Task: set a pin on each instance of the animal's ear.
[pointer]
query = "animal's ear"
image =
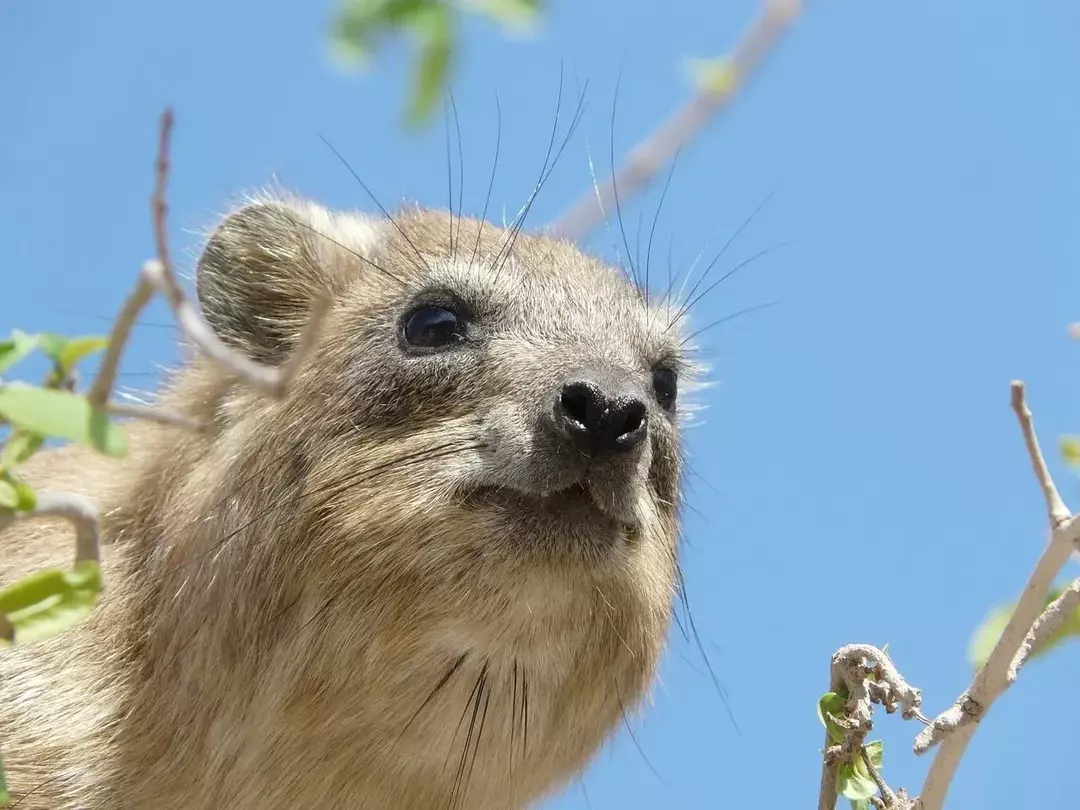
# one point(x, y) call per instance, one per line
point(259, 274)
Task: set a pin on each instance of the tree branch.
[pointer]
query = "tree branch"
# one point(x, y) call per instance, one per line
point(79, 511)
point(954, 728)
point(1045, 627)
point(157, 275)
point(648, 156)
point(868, 676)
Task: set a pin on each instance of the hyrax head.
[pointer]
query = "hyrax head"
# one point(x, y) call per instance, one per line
point(481, 402)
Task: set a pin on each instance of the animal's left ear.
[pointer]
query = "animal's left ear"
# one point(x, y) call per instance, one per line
point(259, 275)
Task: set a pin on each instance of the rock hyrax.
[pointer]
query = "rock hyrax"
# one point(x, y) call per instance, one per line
point(435, 575)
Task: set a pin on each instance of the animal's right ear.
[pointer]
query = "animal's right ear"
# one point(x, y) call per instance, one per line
point(259, 275)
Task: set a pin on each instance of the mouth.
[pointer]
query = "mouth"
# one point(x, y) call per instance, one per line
point(574, 504)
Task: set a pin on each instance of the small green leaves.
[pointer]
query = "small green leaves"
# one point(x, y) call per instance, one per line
point(853, 779)
point(714, 77)
point(20, 445)
point(830, 708)
point(49, 602)
point(66, 353)
point(519, 16)
point(363, 25)
point(988, 633)
point(15, 494)
point(61, 414)
point(1070, 450)
point(15, 348)
point(435, 31)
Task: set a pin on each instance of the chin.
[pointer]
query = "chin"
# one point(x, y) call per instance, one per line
point(566, 525)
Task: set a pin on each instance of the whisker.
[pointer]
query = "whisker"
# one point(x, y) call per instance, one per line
point(689, 305)
point(461, 169)
point(727, 318)
point(730, 240)
point(352, 252)
point(656, 218)
point(615, 188)
point(720, 691)
point(491, 180)
point(375, 200)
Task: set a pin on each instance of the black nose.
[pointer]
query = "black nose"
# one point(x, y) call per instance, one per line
point(598, 422)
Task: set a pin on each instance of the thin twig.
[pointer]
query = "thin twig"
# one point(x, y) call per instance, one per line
point(271, 380)
point(78, 510)
point(648, 156)
point(1045, 627)
point(148, 413)
point(1055, 507)
point(118, 338)
point(954, 728)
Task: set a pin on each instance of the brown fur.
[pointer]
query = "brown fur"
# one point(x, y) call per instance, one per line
point(356, 597)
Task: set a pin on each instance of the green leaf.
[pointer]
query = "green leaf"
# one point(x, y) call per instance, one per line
point(16, 494)
point(1070, 450)
point(62, 414)
point(876, 752)
point(3, 784)
point(66, 353)
point(988, 633)
point(853, 780)
point(429, 77)
point(519, 16)
point(832, 705)
point(362, 24)
point(20, 445)
point(48, 602)
point(15, 348)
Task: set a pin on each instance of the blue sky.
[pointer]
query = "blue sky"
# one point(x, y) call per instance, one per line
point(928, 171)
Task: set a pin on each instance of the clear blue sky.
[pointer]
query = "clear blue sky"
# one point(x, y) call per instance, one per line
point(930, 184)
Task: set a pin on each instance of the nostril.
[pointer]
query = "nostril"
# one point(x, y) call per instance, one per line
point(632, 415)
point(575, 401)
point(596, 422)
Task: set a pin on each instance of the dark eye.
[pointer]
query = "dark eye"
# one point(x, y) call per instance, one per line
point(666, 385)
point(431, 327)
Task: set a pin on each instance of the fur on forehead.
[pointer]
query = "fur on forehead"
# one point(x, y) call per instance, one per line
point(267, 260)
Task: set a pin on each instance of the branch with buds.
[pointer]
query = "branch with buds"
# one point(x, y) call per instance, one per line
point(868, 677)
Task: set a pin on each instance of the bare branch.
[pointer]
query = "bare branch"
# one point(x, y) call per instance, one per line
point(159, 273)
point(118, 338)
point(1055, 507)
point(1045, 627)
point(150, 414)
point(79, 511)
point(648, 156)
point(954, 728)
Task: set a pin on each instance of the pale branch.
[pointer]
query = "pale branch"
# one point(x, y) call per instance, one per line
point(954, 728)
point(1055, 507)
point(685, 123)
point(78, 510)
point(148, 413)
point(271, 380)
point(1045, 627)
point(118, 338)
point(868, 676)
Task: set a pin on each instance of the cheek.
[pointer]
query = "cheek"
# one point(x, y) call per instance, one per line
point(664, 472)
point(396, 393)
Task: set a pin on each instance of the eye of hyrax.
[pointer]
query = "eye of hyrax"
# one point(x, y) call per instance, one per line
point(666, 387)
point(431, 326)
